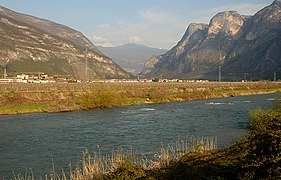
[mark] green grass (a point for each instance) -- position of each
(23, 108)
(7, 92)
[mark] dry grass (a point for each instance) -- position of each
(98, 166)
(174, 152)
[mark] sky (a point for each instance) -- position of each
(154, 23)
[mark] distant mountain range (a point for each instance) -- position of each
(237, 46)
(131, 57)
(30, 44)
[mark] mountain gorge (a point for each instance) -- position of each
(29, 44)
(131, 57)
(242, 47)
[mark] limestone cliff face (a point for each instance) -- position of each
(239, 44)
(226, 23)
(264, 21)
(257, 54)
(202, 48)
(30, 44)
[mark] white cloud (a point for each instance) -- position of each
(100, 41)
(135, 39)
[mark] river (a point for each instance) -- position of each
(34, 140)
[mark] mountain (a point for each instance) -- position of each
(30, 44)
(240, 46)
(131, 57)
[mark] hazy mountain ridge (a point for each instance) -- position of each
(239, 44)
(30, 44)
(131, 57)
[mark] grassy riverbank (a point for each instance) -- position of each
(29, 98)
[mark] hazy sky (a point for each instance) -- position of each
(155, 23)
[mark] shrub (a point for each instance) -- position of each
(127, 170)
(263, 144)
(100, 98)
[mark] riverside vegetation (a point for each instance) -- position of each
(29, 98)
(256, 156)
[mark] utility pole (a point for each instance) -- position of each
(219, 73)
(274, 79)
(245, 77)
(86, 68)
(86, 62)
(5, 73)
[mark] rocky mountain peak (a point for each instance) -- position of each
(229, 23)
(191, 30)
(277, 2)
(240, 45)
(271, 12)
(265, 18)
(194, 27)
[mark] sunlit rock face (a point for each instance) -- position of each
(237, 44)
(30, 44)
(227, 23)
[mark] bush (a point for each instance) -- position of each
(128, 170)
(264, 144)
(101, 98)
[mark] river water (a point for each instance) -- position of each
(35, 140)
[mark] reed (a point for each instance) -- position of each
(95, 165)
(107, 166)
(173, 152)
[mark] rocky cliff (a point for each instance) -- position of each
(29, 44)
(243, 46)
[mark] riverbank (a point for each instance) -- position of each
(30, 98)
